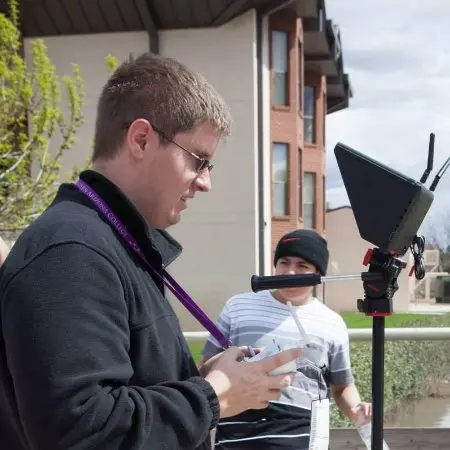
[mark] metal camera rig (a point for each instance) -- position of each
(389, 209)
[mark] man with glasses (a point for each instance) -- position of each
(91, 353)
(265, 319)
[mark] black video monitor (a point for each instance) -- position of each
(388, 206)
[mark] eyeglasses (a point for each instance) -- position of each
(201, 163)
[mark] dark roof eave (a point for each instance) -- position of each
(38, 19)
(338, 208)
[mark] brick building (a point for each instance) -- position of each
(279, 66)
(307, 84)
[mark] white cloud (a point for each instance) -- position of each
(396, 55)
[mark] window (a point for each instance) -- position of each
(300, 76)
(324, 112)
(280, 67)
(324, 196)
(280, 179)
(309, 195)
(309, 115)
(300, 184)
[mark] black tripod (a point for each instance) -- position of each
(377, 303)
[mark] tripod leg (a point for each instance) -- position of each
(377, 382)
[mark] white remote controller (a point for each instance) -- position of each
(289, 367)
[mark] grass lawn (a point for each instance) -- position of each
(353, 320)
(359, 320)
(196, 348)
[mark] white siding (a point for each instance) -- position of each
(89, 52)
(347, 251)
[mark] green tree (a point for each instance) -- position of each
(31, 115)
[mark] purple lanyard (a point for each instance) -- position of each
(166, 278)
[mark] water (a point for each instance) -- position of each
(426, 412)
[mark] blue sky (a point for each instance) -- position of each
(396, 55)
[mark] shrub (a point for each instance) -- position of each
(410, 368)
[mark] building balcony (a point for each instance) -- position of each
(323, 52)
(339, 91)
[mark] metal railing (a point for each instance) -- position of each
(365, 334)
(397, 438)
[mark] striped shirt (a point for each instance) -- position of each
(259, 320)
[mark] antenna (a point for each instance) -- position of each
(439, 175)
(430, 160)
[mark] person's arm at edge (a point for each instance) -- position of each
(4, 251)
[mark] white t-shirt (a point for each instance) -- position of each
(259, 320)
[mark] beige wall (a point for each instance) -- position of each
(219, 231)
(89, 52)
(347, 251)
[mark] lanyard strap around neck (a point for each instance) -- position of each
(166, 278)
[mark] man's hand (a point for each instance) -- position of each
(242, 385)
(364, 409)
(207, 364)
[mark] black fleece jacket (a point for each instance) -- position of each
(91, 353)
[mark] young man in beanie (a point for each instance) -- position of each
(263, 319)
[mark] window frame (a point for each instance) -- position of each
(311, 118)
(313, 176)
(286, 182)
(286, 92)
(300, 182)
